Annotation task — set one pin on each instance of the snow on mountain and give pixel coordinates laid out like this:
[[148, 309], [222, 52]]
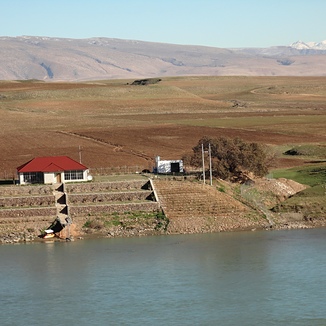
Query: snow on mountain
[[321, 45], [299, 45]]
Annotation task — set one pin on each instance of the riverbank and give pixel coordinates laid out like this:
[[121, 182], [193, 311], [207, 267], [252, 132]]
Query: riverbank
[[184, 207], [20, 235]]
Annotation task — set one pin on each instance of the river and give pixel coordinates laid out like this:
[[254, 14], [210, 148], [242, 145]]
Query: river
[[236, 278]]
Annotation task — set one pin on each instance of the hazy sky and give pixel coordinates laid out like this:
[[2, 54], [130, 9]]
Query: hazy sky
[[219, 23]]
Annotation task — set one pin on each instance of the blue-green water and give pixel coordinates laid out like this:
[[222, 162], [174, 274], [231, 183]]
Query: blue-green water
[[247, 278]]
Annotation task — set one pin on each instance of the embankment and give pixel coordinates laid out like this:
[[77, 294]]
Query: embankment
[[134, 208]]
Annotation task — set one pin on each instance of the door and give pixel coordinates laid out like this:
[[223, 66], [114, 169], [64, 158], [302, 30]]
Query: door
[[175, 167], [58, 178]]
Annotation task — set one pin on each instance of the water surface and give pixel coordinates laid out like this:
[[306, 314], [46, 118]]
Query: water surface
[[241, 278]]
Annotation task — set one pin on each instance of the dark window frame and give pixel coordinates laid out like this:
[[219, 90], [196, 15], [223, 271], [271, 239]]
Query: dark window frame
[[33, 177]]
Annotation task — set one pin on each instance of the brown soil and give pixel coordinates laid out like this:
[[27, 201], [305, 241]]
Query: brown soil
[[194, 208], [115, 124]]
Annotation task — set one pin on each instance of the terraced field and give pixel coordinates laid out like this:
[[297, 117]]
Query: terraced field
[[195, 208]]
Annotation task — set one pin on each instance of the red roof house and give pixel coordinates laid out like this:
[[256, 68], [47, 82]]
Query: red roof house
[[52, 169]]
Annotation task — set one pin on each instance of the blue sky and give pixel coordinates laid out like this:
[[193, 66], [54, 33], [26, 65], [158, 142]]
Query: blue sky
[[218, 23]]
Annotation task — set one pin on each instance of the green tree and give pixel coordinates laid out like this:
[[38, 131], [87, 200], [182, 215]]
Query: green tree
[[231, 157]]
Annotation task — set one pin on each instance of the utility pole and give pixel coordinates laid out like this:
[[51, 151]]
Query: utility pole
[[80, 154], [202, 154], [210, 164]]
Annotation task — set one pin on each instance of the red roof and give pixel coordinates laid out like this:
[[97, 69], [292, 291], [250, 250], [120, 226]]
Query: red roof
[[51, 164]]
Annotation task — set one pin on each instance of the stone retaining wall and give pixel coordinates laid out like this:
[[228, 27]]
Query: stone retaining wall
[[29, 201], [26, 190], [95, 187], [28, 212], [109, 209], [82, 199], [85, 200]]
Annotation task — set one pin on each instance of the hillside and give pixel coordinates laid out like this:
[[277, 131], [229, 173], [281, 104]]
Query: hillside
[[117, 125], [59, 59]]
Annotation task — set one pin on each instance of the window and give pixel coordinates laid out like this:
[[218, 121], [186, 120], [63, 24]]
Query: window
[[74, 175], [33, 177]]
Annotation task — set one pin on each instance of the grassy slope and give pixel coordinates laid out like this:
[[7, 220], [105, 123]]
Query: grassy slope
[[312, 175], [311, 202]]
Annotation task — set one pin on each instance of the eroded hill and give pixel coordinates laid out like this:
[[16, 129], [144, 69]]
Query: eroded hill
[[58, 59]]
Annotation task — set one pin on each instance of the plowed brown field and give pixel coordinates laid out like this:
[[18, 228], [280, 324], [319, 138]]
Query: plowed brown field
[[116, 124]]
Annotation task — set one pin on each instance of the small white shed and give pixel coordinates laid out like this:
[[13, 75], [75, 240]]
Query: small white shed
[[168, 166]]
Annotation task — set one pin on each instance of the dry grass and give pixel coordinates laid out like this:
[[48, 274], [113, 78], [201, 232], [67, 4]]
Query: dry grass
[[119, 124]]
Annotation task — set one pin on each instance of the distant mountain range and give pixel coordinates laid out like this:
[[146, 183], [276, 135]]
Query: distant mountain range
[[309, 46], [45, 58]]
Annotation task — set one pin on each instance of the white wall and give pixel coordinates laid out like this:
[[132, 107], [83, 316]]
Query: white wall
[[164, 166], [49, 178], [21, 178]]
